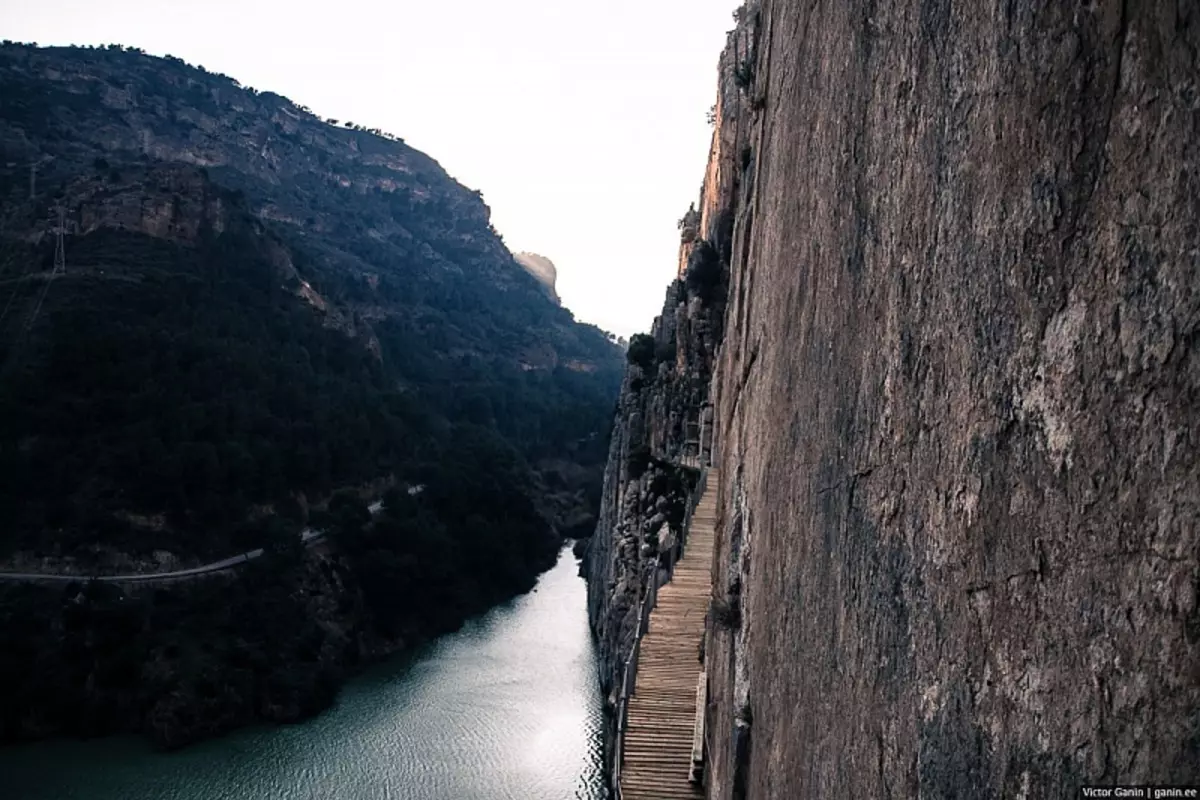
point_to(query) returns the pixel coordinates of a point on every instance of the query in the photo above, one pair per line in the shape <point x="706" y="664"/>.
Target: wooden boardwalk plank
<point x="662" y="710"/>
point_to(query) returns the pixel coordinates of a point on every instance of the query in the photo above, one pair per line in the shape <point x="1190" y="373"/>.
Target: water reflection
<point x="505" y="709"/>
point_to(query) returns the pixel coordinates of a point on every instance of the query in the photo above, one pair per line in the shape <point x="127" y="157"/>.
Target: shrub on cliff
<point x="726" y="612"/>
<point x="743" y="74"/>
<point x="179" y="662"/>
<point x="641" y="351"/>
<point x="673" y="483"/>
<point x="639" y="461"/>
<point x="704" y="271"/>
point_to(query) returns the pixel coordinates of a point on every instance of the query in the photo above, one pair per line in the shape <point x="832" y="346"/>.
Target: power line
<point x="60" y="266"/>
<point x="11" y="296"/>
<point x="33" y="167"/>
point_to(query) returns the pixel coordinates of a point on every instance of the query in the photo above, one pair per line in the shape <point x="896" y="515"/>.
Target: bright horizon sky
<point x="582" y="124"/>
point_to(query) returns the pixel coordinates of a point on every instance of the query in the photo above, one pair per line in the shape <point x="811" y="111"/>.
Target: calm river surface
<point x="506" y="709"/>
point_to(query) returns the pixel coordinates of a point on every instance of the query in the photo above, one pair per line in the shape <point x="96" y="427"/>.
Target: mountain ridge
<point x="263" y="320"/>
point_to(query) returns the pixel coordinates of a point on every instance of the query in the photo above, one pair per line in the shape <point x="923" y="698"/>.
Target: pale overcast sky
<point x="583" y="123"/>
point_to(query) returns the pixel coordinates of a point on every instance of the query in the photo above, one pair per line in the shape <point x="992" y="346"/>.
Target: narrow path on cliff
<point x="308" y="536"/>
<point x="657" y="747"/>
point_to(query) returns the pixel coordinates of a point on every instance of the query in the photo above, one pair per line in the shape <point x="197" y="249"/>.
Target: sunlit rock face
<point x="541" y="268"/>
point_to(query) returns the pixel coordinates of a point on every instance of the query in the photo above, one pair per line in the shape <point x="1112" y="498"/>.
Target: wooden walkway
<point x="662" y="709"/>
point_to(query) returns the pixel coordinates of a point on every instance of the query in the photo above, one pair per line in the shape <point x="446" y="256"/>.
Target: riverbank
<point x="505" y="707"/>
<point x="273" y="641"/>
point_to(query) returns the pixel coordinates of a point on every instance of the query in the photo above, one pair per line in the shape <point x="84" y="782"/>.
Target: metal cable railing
<point x="629" y="674"/>
<point x="649" y="599"/>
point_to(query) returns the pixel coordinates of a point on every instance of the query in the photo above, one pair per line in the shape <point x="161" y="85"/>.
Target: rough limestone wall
<point x="608" y="566"/>
<point x="727" y="193"/>
<point x="958" y="403"/>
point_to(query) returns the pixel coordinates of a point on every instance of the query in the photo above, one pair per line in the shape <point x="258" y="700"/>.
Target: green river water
<point x="507" y="708"/>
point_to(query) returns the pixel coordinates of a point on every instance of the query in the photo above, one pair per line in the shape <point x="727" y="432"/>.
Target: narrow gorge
<point x="935" y="322"/>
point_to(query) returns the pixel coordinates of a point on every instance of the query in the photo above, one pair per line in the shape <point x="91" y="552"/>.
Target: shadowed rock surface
<point x="956" y="400"/>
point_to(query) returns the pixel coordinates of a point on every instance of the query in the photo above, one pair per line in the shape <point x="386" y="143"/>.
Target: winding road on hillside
<point x="308" y="536"/>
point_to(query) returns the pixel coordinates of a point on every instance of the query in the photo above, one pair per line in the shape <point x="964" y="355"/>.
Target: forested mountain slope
<point x="257" y="304"/>
<point x="259" y="309"/>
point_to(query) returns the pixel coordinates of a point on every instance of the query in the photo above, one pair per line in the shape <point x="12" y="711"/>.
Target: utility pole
<point x="60" y="266"/>
<point x="60" y="253"/>
<point x="33" y="168"/>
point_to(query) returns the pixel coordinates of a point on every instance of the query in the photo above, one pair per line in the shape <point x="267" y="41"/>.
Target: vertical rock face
<point x="666" y="411"/>
<point x="958" y="414"/>
<point x="956" y="400"/>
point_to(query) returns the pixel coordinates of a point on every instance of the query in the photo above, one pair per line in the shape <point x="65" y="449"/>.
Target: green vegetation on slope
<point x="315" y="311"/>
<point x="179" y="379"/>
<point x="202" y="388"/>
<point x="196" y="658"/>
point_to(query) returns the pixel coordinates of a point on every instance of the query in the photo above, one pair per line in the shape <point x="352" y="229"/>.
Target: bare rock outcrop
<point x="541" y="268"/>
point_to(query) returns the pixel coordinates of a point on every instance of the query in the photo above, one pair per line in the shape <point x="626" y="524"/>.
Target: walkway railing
<point x="696" y="771"/>
<point x="649" y="600"/>
<point x="693" y="501"/>
<point x="629" y="676"/>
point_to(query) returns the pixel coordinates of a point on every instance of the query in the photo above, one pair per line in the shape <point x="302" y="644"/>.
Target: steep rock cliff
<point x="956" y="400"/>
<point x="664" y="422"/>
<point x="646" y="479"/>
